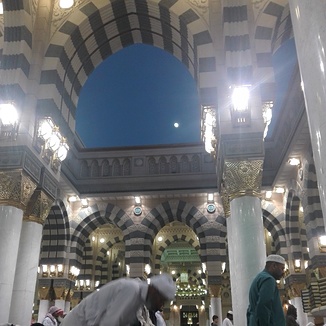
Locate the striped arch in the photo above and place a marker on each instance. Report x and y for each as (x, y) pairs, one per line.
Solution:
(292, 225)
(95, 218)
(211, 235)
(167, 242)
(272, 224)
(313, 216)
(101, 265)
(273, 28)
(16, 54)
(86, 270)
(55, 235)
(100, 28)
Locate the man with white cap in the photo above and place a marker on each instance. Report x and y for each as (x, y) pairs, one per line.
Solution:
(117, 302)
(265, 307)
(228, 320)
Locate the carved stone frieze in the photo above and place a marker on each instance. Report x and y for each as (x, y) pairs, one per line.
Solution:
(16, 188)
(202, 5)
(38, 207)
(243, 178)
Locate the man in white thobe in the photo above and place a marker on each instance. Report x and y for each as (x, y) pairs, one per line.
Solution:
(117, 303)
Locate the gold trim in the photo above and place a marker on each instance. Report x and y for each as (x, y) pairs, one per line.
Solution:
(243, 178)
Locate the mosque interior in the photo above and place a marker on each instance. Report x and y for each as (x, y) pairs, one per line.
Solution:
(74, 218)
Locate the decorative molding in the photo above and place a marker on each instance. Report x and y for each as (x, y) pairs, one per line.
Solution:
(243, 178)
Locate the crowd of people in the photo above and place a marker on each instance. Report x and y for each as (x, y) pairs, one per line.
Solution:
(135, 302)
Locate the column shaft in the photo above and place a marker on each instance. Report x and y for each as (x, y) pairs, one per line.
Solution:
(308, 19)
(43, 310)
(302, 318)
(216, 309)
(26, 273)
(247, 252)
(11, 224)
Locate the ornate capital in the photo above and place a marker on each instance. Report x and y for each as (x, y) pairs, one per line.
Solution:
(215, 290)
(16, 188)
(243, 178)
(38, 207)
(60, 292)
(43, 292)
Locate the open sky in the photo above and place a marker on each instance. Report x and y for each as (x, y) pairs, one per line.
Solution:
(134, 98)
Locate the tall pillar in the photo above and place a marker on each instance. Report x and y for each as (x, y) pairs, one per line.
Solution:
(308, 20)
(11, 223)
(202, 318)
(302, 317)
(245, 231)
(216, 303)
(16, 190)
(28, 258)
(43, 310)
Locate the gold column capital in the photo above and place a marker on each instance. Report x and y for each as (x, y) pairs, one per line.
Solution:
(215, 290)
(294, 289)
(60, 292)
(243, 177)
(16, 188)
(43, 292)
(38, 207)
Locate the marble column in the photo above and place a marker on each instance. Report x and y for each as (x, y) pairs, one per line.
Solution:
(302, 317)
(28, 258)
(309, 26)
(43, 309)
(216, 309)
(245, 231)
(11, 224)
(202, 318)
(16, 191)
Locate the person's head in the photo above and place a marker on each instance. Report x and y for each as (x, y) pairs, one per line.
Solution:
(230, 314)
(275, 265)
(215, 319)
(292, 311)
(56, 312)
(160, 289)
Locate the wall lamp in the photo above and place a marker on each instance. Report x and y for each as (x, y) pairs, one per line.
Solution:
(73, 272)
(1, 8)
(240, 109)
(52, 270)
(208, 128)
(66, 4)
(50, 143)
(8, 121)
